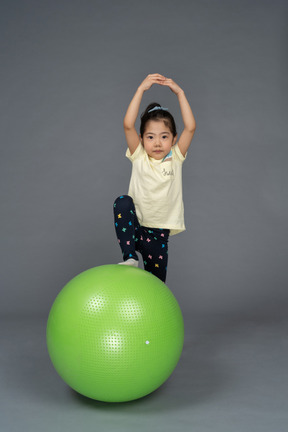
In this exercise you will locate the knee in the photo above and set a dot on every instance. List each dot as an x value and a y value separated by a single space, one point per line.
123 202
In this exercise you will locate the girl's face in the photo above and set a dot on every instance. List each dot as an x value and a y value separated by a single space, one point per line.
157 139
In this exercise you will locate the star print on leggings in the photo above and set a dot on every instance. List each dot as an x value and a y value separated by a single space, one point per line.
135 239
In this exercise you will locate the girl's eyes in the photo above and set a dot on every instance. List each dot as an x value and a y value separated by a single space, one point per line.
163 136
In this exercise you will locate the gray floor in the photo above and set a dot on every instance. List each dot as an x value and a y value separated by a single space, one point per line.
232 376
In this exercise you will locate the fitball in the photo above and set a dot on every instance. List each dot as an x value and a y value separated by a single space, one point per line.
115 333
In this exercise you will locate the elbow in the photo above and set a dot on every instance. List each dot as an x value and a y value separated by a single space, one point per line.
191 129
127 126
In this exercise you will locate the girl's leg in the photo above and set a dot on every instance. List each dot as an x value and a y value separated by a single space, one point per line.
126 226
154 249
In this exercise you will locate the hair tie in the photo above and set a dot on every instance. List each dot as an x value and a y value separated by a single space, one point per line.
158 108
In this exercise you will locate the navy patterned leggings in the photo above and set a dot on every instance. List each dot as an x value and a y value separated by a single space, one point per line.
152 243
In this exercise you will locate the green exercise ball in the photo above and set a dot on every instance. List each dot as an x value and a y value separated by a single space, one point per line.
115 333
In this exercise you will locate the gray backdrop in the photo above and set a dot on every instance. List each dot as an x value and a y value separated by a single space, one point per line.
68 72
69 69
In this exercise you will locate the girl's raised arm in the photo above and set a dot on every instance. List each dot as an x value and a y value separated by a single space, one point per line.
187 116
132 137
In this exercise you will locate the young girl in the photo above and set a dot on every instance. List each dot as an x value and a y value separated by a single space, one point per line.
153 208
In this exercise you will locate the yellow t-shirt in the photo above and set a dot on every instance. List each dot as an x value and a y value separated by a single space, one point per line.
156 189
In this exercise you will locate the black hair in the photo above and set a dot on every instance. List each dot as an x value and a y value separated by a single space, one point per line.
157 115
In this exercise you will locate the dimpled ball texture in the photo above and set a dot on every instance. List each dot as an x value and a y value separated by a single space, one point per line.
115 333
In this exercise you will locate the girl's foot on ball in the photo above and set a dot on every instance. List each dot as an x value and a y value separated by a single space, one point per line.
131 262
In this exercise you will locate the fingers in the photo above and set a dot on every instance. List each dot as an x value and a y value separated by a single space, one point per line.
156 74
156 77
167 82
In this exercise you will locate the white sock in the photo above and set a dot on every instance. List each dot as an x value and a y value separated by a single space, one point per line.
131 262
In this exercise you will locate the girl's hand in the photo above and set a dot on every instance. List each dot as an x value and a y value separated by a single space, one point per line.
172 85
150 80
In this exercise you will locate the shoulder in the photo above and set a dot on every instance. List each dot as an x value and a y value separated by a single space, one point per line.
138 153
177 155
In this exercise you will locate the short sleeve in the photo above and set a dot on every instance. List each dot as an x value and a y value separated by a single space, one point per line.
137 153
178 154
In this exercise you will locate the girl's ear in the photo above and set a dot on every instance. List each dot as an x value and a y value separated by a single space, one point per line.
140 139
175 139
